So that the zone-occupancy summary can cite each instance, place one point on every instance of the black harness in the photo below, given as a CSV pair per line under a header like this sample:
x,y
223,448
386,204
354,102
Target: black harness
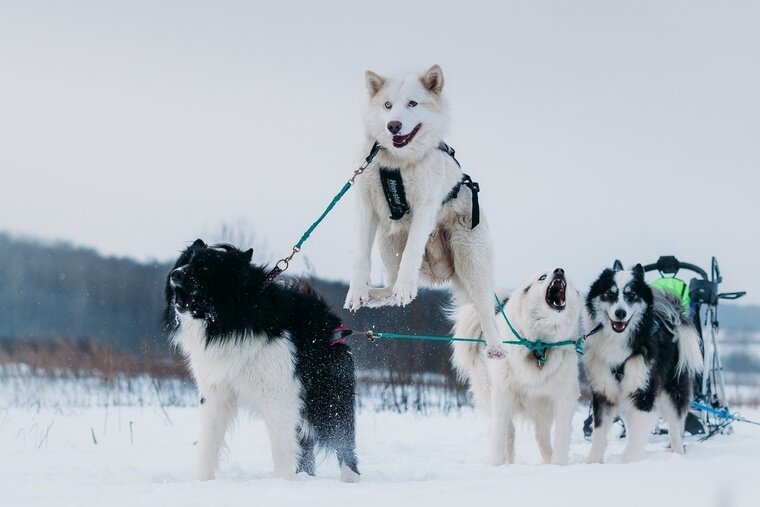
x,y
393,188
619,371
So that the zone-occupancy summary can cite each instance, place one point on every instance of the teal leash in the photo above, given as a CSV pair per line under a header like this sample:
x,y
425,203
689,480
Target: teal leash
x,y
537,347
284,263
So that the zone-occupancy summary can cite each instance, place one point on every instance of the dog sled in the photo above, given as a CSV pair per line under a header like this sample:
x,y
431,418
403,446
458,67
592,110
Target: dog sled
x,y
710,413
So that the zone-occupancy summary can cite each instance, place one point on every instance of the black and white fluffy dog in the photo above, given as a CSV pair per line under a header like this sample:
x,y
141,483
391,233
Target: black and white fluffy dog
x,y
276,353
641,364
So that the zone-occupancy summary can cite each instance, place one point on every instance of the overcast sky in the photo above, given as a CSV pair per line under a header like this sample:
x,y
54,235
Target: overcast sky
x,y
597,130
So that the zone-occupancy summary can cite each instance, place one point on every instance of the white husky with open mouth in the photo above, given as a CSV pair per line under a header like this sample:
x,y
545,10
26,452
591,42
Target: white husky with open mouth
x,y
415,201
541,387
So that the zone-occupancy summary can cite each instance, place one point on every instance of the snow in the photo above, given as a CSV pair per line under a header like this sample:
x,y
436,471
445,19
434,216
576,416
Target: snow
x,y
49,458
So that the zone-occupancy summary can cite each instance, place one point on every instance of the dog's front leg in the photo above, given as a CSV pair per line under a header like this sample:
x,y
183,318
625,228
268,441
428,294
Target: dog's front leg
x,y
603,418
217,408
282,423
501,443
423,222
563,427
638,426
358,291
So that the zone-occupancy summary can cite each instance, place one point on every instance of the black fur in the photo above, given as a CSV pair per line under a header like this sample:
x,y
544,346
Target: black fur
x,y
221,286
599,407
651,339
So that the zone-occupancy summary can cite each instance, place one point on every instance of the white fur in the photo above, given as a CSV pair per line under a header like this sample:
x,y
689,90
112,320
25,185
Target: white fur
x,y
252,374
434,243
545,395
669,307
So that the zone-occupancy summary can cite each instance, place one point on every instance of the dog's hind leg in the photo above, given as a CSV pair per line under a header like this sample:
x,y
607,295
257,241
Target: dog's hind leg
x,y
306,462
675,423
349,466
345,439
543,418
473,282
511,443
218,406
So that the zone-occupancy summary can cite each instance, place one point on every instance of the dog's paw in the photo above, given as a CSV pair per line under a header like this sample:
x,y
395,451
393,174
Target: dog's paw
x,y
349,476
283,473
631,455
495,352
203,473
560,460
378,297
404,292
356,298
497,459
594,459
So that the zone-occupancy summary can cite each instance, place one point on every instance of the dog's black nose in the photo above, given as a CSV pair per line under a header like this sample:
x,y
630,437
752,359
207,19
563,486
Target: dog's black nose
x,y
620,313
559,271
394,127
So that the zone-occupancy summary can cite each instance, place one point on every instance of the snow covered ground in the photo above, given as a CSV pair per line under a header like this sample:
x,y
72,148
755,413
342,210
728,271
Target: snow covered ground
x,y
144,456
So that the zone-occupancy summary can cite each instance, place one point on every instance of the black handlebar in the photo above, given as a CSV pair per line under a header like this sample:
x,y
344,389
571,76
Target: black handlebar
x,y
708,290
668,268
732,295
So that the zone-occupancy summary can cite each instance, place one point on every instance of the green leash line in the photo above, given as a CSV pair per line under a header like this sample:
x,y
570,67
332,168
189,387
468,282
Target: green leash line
x,y
297,247
538,347
377,335
372,336
283,263
327,210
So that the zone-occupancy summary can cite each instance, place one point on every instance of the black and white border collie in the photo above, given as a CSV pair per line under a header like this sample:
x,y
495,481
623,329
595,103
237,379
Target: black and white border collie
x,y
276,353
641,364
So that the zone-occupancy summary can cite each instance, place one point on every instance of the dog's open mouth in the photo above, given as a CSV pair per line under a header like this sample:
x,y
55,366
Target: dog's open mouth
x,y
401,141
555,293
181,300
619,325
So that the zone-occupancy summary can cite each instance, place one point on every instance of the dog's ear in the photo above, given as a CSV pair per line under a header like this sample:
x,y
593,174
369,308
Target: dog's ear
x,y
374,82
198,243
638,272
248,255
432,79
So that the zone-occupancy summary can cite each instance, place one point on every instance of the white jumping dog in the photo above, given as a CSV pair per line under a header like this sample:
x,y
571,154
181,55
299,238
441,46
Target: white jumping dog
x,y
412,201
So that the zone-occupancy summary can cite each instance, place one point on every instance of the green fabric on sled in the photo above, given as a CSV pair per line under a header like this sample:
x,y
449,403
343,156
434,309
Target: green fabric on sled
x,y
677,287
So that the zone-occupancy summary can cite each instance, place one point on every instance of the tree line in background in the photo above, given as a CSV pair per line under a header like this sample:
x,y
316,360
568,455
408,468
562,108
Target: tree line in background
x,y
58,293
62,294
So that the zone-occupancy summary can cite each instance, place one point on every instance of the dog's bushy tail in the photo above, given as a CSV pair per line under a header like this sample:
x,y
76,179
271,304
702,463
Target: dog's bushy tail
x,y
465,355
689,350
468,358
670,310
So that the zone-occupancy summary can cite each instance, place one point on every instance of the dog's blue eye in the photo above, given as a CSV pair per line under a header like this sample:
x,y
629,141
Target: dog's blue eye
x,y
388,105
542,278
412,103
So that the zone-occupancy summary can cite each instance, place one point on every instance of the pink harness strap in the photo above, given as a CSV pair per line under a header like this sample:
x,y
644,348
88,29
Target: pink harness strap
x,y
339,335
